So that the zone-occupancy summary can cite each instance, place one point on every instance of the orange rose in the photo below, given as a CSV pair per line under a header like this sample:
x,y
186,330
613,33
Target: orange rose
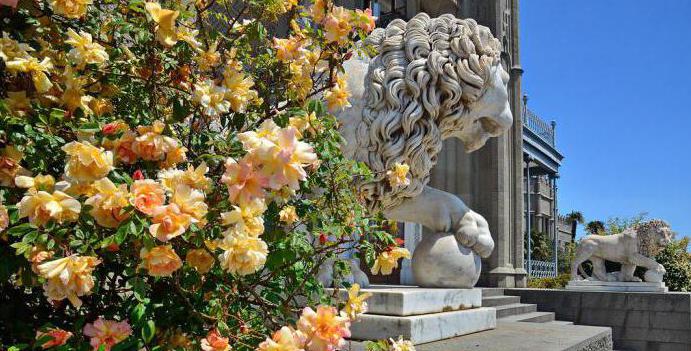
x,y
169,222
200,259
147,195
54,336
160,261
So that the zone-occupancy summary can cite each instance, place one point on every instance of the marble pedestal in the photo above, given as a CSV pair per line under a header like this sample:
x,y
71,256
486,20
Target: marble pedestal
x,y
422,314
590,285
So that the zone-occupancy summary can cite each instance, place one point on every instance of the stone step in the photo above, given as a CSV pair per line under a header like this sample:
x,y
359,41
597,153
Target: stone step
x,y
514,309
392,300
492,301
532,317
424,328
487,292
561,322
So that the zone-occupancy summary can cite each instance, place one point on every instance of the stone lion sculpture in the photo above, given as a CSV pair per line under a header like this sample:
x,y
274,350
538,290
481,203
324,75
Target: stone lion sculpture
x,y
431,79
632,248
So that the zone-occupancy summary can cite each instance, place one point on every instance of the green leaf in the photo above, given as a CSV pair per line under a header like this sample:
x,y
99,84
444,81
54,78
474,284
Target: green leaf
x,y
57,114
148,331
91,127
21,229
137,313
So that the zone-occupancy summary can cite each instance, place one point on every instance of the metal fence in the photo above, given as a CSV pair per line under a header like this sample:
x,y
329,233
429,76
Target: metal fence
x,y
540,269
543,129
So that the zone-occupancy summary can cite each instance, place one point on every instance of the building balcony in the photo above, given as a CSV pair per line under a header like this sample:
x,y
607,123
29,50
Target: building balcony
x,y
539,144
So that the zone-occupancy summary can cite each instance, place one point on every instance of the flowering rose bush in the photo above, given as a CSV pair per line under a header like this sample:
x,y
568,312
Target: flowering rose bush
x,y
170,175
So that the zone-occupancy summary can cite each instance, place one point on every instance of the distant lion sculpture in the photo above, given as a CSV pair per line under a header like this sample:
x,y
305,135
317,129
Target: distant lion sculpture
x,y
431,79
634,247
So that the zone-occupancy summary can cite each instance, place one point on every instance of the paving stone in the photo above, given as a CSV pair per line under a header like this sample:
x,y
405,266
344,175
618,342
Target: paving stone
x,y
517,336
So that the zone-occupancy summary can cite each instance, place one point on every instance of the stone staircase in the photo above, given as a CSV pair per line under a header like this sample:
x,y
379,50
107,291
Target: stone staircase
x,y
510,308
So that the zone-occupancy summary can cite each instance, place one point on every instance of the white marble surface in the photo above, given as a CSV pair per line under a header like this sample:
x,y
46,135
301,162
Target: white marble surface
x,y
424,328
589,285
395,300
636,246
440,261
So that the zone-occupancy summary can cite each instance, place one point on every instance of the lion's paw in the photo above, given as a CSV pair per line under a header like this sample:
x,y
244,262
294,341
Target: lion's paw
x,y
473,232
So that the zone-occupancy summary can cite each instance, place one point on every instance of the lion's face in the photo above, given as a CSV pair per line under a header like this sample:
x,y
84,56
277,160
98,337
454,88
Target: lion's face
x,y
664,236
488,117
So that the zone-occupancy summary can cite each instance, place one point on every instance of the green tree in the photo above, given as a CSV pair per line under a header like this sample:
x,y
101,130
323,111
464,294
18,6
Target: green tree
x,y
541,246
677,262
595,227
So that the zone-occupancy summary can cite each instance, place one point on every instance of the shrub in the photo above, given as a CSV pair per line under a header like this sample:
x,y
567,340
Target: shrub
x,y
558,282
171,173
677,261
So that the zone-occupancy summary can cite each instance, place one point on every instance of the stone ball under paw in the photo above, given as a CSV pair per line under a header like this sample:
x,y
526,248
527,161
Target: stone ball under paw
x,y
653,276
439,261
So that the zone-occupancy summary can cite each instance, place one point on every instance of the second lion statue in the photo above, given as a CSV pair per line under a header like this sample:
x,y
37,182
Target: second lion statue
x,y
634,247
431,79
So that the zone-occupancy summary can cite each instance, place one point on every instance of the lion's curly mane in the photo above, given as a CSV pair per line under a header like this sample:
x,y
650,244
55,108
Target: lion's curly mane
x,y
648,235
426,74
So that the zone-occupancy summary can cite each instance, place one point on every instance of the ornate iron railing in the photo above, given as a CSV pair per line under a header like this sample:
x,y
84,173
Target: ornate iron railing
x,y
543,129
540,269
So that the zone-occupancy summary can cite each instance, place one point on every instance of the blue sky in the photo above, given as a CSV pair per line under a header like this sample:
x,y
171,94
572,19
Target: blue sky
x,y
616,76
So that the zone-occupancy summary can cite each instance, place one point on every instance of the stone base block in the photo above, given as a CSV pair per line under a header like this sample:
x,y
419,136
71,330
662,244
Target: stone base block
x,y
590,285
424,328
397,300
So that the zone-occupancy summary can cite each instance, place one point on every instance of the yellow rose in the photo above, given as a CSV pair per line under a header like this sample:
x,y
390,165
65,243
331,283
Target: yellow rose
x,y
151,145
165,23
356,304
4,218
109,202
388,260
87,163
200,259
33,184
84,50
247,218
193,177
18,103
10,167
243,254
191,202
324,328
70,8
337,97
284,339
174,156
398,176
337,25
68,277
238,87
41,207
160,261
288,215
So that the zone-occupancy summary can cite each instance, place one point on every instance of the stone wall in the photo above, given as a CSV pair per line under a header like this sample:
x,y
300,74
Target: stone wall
x,y
639,321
